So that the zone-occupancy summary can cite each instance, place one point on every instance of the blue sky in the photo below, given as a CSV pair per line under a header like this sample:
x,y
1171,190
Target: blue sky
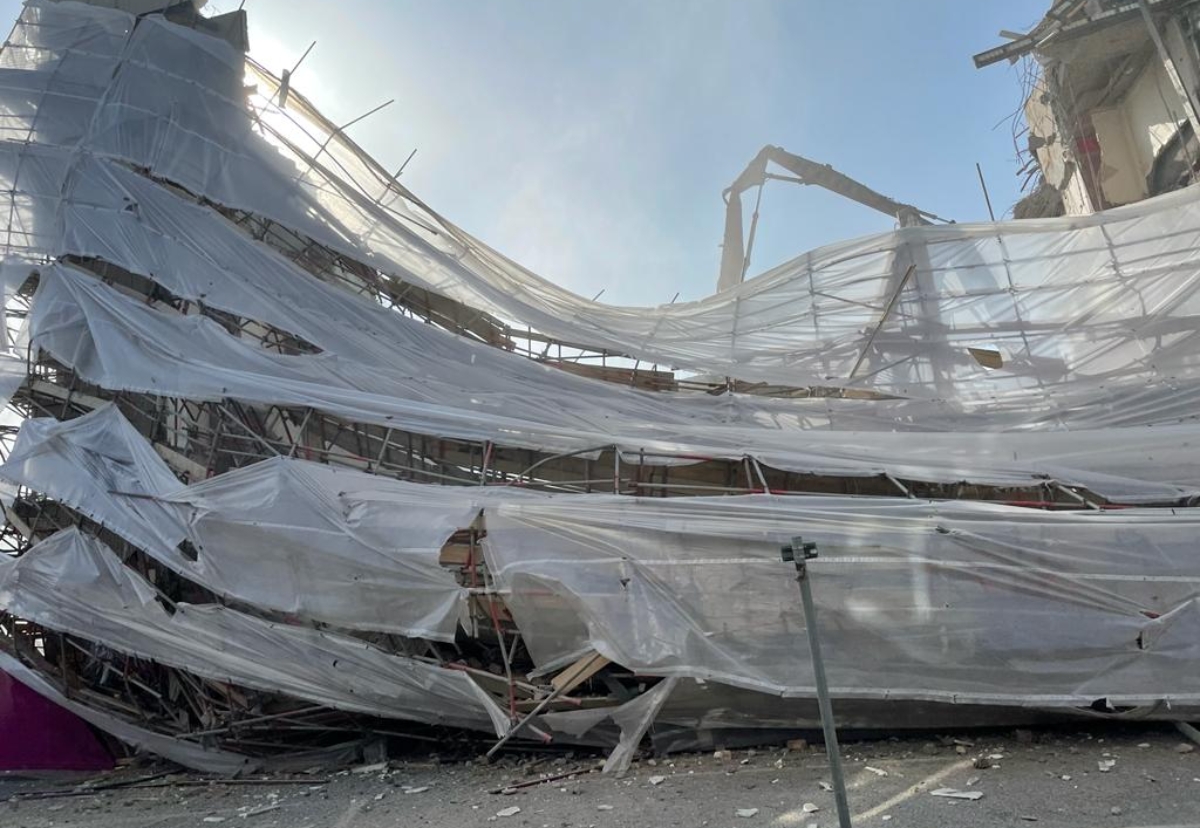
x,y
591,140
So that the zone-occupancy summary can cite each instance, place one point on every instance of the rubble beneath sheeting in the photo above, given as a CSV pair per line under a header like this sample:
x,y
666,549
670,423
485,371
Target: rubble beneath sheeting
x,y
301,466
1042,776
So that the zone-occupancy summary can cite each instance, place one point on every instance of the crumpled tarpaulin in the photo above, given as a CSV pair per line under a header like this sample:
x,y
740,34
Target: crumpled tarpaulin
x,y
128,147
948,601
313,541
73,583
952,599
119,343
1074,307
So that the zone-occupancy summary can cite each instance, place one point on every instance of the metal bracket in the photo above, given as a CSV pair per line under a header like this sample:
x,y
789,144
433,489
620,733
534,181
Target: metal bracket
x,y
808,552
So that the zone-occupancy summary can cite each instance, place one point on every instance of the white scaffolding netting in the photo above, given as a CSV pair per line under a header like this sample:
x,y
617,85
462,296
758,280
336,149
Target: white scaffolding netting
x,y
952,601
1016,355
1083,313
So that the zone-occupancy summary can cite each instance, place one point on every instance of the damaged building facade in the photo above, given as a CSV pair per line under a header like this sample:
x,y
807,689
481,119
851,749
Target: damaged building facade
x,y
300,461
1112,110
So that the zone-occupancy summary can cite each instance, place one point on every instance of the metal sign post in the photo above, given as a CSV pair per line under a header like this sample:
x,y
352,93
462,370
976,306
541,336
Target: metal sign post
x,y
800,553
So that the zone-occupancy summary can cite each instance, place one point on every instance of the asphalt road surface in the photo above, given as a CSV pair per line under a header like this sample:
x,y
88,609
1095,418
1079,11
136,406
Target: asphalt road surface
x,y
1131,777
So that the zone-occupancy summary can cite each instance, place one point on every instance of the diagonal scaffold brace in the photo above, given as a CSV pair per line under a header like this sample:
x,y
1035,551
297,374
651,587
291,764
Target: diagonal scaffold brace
x,y
800,552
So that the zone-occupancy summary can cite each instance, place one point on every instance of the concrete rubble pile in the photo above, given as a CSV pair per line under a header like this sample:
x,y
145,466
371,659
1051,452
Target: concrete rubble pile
x,y
299,462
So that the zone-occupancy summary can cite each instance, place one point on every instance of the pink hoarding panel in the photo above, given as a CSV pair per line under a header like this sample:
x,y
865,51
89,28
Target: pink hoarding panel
x,y
36,734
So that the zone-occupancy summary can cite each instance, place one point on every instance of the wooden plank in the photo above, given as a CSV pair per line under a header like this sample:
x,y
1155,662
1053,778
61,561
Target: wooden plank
x,y
58,392
480,606
647,379
987,358
569,704
181,464
455,554
18,524
579,672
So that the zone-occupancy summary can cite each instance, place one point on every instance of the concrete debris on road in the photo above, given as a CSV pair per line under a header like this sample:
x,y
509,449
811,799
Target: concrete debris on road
x,y
951,793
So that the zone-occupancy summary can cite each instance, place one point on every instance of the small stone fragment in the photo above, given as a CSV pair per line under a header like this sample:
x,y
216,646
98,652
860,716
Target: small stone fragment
x,y
809,808
825,786
1116,810
1184,747
657,780
265,809
951,793
797,744
1105,765
508,812
877,771
982,763
604,807
747,813
416,790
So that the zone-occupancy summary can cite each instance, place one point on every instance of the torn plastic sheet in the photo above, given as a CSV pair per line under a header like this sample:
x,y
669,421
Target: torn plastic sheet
x,y
1038,292
694,587
188,754
198,255
304,539
1072,305
74,584
630,721
956,602
635,718
14,337
101,466
121,344
107,211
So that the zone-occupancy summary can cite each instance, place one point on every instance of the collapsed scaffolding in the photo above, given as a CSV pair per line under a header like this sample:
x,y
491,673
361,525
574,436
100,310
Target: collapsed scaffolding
x,y
301,460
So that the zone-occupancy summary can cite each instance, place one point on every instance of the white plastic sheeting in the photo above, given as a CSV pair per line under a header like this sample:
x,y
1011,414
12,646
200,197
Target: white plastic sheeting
x,y
69,195
102,467
72,583
119,343
635,718
950,602
1086,314
1094,322
303,539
